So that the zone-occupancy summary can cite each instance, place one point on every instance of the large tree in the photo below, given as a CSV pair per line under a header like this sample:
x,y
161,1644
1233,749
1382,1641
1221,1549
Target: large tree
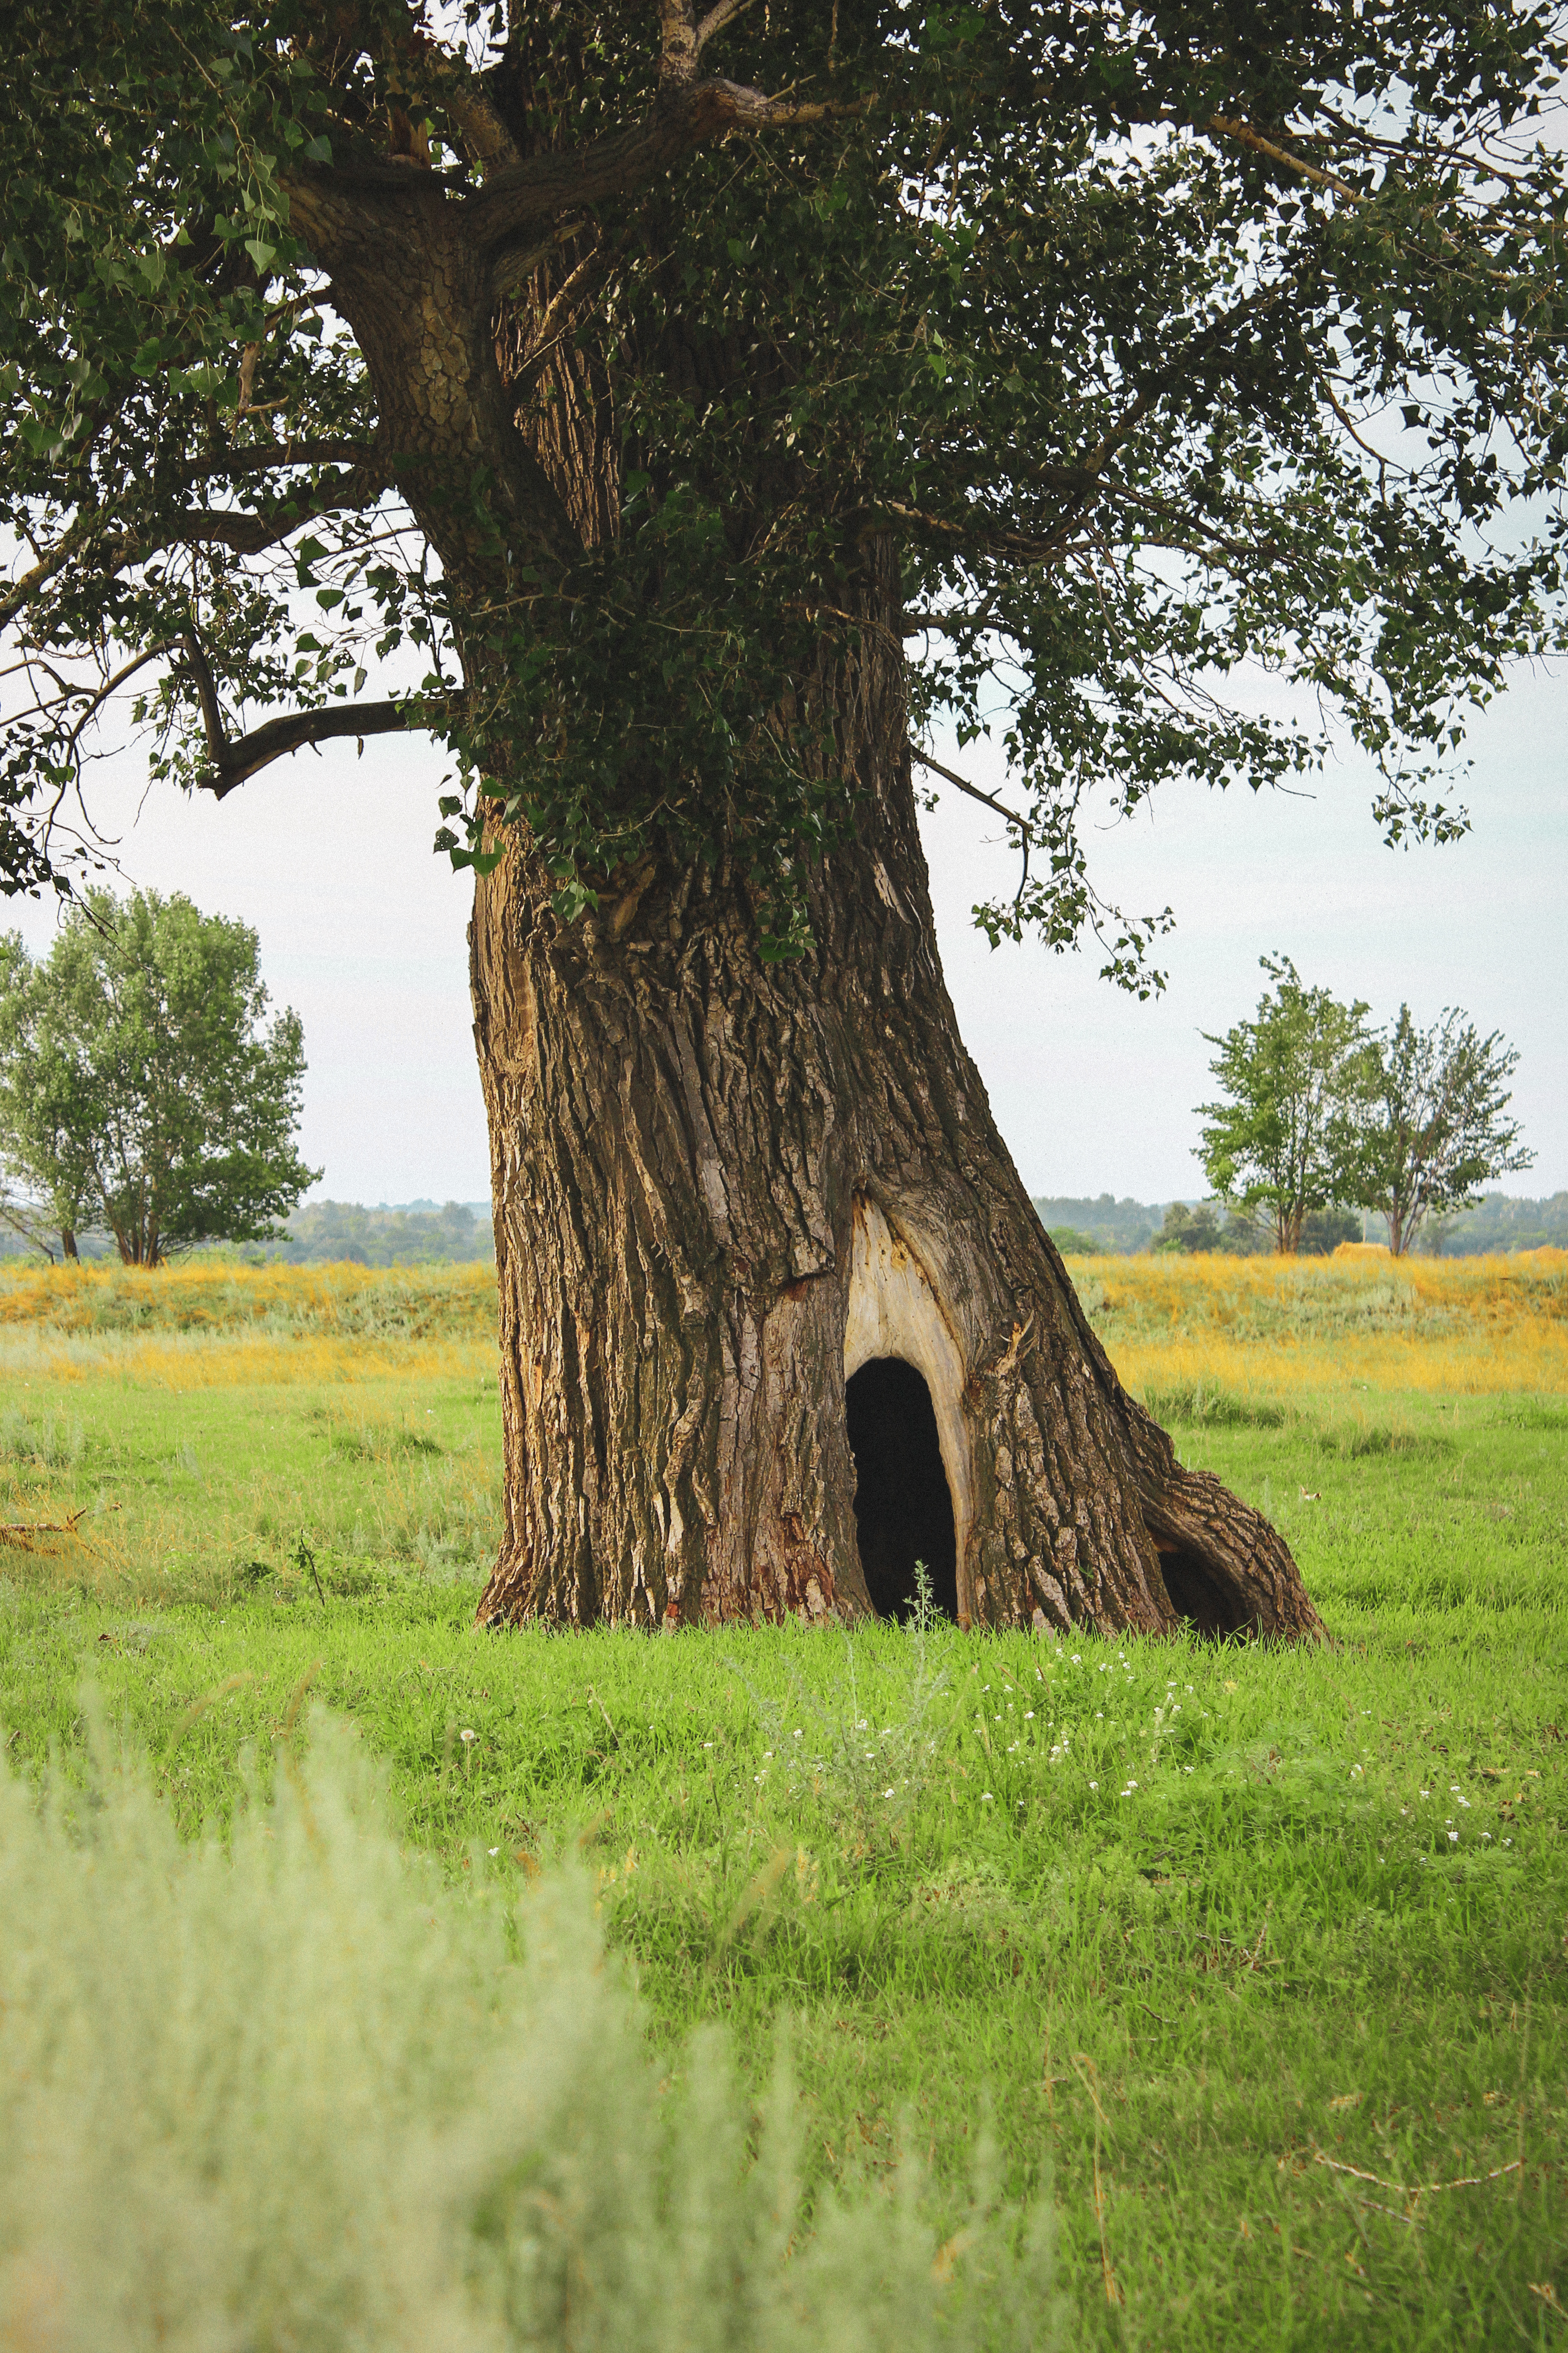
x,y
714,404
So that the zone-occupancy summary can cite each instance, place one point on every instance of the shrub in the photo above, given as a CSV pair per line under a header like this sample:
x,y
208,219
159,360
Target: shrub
x,y
296,2095
1205,1401
871,1776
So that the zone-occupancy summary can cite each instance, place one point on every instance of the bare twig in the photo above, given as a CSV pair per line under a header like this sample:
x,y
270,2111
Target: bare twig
x,y
21,1532
1412,2191
988,800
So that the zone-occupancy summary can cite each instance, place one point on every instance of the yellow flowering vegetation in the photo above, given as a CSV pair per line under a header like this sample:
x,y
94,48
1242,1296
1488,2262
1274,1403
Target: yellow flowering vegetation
x,y
1272,1325
211,1323
1464,1325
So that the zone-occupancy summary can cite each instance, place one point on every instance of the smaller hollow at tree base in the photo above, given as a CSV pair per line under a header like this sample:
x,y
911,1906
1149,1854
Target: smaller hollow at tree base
x,y
723,1187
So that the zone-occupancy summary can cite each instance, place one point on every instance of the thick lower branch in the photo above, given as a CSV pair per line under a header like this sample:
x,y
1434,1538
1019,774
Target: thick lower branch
x,y
235,758
279,737
253,534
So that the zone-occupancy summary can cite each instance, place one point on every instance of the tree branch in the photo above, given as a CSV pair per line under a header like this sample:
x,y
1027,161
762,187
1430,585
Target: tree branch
x,y
249,535
279,737
466,100
716,19
987,801
557,316
111,685
517,201
235,758
30,1223
129,548
343,211
950,625
265,456
1281,155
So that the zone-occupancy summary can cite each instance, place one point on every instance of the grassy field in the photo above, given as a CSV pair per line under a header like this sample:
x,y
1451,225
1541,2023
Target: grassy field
x,y
1254,1962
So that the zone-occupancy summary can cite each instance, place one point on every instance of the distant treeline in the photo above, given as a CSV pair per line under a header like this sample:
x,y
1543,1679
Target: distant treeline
x,y
423,1233
1497,1222
419,1233
414,1233
1080,1227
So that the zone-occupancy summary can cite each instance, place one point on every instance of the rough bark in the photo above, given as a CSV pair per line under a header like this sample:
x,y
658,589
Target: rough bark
x,y
719,1186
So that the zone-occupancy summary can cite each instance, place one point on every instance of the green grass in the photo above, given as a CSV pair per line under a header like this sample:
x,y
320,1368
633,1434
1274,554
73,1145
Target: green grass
x,y
1264,1999
200,1496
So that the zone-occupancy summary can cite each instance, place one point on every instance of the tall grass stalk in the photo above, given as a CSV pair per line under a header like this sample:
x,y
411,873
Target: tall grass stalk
x,y
871,1775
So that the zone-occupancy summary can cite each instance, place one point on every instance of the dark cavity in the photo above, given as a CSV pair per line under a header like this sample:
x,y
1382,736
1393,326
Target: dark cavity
x,y
903,1510
1199,1595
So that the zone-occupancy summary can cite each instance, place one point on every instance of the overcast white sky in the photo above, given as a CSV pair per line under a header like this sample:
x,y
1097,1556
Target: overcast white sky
x,y
363,930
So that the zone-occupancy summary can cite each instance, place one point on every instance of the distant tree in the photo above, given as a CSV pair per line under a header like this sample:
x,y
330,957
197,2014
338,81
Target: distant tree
x,y
1113,1226
1189,1230
48,1178
346,1231
1322,1231
1244,1236
1073,1244
1501,1221
138,1088
1200,1228
1438,1130
1298,1080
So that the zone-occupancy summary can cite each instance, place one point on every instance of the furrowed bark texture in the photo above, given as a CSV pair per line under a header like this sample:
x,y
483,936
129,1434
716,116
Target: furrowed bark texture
x,y
720,1187
723,1186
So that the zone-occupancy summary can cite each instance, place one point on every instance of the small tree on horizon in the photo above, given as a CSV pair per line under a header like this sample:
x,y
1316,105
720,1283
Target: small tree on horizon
x,y
45,1176
1439,1131
138,1088
1298,1077
1188,1230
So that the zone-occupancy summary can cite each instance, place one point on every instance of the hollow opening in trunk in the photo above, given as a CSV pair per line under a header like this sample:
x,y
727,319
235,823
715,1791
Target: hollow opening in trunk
x,y
1198,1594
903,1508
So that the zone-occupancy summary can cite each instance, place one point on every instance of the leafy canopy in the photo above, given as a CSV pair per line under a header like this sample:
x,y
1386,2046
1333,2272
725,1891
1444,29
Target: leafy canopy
x,y
138,1088
548,378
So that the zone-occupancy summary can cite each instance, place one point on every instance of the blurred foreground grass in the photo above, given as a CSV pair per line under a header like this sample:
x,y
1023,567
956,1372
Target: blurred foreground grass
x,y
294,2094
1256,1961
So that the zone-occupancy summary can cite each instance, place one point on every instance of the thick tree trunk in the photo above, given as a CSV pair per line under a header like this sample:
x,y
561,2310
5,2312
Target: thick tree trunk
x,y
721,1187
